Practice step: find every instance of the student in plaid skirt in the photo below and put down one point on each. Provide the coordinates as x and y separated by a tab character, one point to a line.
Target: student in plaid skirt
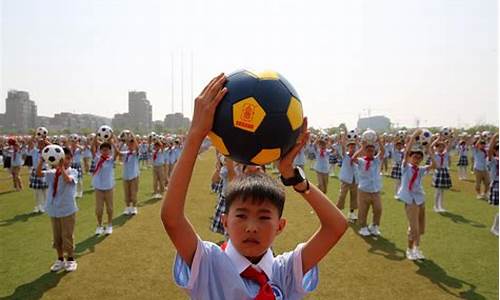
441	179
493	166
76	164
397	158
227	173
463	161
332	158
39	185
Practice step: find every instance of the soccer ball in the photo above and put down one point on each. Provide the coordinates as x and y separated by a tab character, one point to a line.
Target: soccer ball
424	137
83	139
486	135
352	135
74	138
258	120
125	136
401	135
54	139
63	139
104	133
41	133
369	136
153	137
53	154
446	132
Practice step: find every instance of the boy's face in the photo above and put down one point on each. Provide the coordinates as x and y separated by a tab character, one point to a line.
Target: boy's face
105	151
351	148
416	158
252	226
398	146
440	148
67	161
251	169
370	151
482	145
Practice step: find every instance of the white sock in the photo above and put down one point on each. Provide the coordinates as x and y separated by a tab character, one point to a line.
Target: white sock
397	186
441	199
495	224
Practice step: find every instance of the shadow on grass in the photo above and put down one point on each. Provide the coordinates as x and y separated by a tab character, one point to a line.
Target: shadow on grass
439	277
461	219
382	246
36	288
19	218
7	192
149	202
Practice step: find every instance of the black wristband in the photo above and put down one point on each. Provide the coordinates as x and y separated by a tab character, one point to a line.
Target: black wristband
306	191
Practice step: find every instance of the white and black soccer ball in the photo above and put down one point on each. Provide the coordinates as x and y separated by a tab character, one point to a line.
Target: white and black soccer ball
53	154
63	139
446	132
125	136
41	133
153	137
369	136
83	139
401	134
104	133
352	135
75	138
424	137
54	139
486	135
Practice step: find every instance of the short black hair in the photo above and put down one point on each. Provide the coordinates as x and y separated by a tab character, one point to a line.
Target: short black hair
259	188
105	145
417	152
67	151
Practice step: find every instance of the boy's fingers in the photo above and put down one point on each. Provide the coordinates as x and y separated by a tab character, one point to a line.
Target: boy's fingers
219	97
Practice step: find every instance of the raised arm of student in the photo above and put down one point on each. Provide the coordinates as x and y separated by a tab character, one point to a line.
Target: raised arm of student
342	143
381	148
175	222
332	222
358	153
409	144
491	148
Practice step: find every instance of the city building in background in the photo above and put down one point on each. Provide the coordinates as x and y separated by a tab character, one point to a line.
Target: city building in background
176	121
140	111
377	123
20	111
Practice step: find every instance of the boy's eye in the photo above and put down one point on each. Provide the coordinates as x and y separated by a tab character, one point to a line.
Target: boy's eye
265	218
241	216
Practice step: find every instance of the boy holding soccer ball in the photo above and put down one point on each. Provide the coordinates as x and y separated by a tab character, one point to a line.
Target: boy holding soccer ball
61	208
245	268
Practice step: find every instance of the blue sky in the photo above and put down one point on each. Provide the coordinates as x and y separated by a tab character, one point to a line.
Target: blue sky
432	60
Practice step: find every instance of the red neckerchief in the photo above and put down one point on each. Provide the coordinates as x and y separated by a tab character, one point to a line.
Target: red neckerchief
321	152
101	161
413	177
350	156
265	291
155	154
368	162
56	180
442	159
128	154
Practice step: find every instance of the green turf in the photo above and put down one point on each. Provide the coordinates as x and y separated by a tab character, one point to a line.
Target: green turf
135	261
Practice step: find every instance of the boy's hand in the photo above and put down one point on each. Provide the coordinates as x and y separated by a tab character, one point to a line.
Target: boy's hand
205	105
286	163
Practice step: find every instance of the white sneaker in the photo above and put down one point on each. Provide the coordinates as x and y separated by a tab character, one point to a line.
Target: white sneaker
479	197
58	265
435	209
79	195
127	211
374	230
99	230
418	254
494	232
364	231
109	230
440	209
410	254
41	209
36	210
352	217
133	210
70	266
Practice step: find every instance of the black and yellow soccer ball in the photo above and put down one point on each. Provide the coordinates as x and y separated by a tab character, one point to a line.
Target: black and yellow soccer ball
259	119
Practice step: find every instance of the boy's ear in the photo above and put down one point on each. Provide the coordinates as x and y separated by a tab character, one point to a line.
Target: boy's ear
224	220
281	225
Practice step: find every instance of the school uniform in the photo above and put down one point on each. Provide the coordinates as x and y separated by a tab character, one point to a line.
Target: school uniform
412	194
441	178
76	162
348	183
61	208
300	159
103	181
480	167
7	158
28	156
493	166
220	208
369	187
220	274
130	175
397	158
322	167
462	154
158	172
143	151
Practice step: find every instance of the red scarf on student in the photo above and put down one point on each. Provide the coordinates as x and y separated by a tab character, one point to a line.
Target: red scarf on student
100	163
128	154
368	162
413	177
56	181
350	156
441	156
15	152
155	154
322	152
265	291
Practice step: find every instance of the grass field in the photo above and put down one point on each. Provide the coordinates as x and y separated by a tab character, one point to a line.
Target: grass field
135	261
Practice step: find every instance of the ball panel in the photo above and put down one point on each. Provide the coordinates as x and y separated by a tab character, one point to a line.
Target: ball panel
268	75
272	96
294	113
239	86
218	143
289	87
266	156
248	114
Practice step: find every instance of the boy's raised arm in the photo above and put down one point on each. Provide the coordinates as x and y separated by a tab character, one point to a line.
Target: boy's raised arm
176	224
332	221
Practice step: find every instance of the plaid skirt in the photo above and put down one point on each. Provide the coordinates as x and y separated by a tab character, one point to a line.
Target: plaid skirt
216	221
37	183
311	155
494	193
463	161
143	156
78	167
28	161
441	179
396	171
339	161
428	161
332	159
